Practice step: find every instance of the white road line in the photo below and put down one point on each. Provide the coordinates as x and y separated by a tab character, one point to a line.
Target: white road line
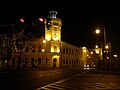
42	88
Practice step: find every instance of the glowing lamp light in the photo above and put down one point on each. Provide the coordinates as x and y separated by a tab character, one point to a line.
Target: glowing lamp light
44	41
43	50
96	46
106	46
97	31
22	20
107	57
91	52
41	19
115	55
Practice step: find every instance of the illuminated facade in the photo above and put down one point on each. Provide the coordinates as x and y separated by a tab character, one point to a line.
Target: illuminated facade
51	51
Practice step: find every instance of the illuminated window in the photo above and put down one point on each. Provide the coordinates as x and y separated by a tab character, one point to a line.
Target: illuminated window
55	49
55	28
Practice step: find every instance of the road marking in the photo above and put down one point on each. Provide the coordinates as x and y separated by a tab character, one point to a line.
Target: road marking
60	81
71	77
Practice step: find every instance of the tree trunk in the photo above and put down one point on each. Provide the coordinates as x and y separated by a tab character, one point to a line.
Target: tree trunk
19	59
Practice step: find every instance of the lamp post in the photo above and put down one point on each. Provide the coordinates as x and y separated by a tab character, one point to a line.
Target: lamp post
108	46
97	31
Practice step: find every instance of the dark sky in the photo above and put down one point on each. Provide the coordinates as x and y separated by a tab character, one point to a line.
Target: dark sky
79	20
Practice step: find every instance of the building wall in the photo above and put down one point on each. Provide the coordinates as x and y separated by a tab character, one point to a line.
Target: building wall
51	51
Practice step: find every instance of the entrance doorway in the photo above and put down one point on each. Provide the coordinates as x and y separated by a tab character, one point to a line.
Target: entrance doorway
54	62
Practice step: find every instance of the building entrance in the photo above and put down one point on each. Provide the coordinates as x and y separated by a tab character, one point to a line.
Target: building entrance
54	62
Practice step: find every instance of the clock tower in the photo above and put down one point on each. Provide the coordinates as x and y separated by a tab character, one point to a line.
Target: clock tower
53	27
53	37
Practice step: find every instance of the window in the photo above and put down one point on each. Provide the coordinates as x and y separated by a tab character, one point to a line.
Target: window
55	28
46	60
32	60
33	48
55	23
66	50
39	60
72	51
69	51
26	60
35	61
67	61
63	50
63	61
55	49
26	49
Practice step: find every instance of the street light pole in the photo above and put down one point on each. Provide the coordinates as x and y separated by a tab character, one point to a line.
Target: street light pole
104	36
110	56
104	39
104	32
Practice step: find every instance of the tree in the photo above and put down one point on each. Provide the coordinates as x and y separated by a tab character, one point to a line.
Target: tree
16	42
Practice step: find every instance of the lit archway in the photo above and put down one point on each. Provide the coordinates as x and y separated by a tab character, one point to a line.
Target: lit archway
54	62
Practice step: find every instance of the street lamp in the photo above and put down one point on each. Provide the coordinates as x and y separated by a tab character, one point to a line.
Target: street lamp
108	46
97	31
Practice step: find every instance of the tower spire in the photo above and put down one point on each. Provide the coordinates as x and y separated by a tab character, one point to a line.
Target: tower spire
53	14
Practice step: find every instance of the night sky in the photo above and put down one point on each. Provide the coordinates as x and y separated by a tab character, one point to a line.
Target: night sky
79	20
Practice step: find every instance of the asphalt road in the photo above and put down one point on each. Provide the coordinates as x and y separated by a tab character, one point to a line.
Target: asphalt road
88	80
31	80
66	79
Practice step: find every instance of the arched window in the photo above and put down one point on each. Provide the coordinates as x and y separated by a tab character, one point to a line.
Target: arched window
55	49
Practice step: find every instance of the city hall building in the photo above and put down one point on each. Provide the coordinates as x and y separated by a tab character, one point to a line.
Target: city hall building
50	51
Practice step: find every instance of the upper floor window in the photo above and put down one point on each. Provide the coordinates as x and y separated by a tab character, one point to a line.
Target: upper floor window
66	50
33	48
55	49
55	28
63	50
39	60
26	49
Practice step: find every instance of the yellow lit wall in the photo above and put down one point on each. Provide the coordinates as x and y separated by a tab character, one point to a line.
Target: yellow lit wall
54	32
55	44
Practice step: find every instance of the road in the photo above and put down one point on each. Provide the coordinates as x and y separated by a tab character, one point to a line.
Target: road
66	79
88	80
31	80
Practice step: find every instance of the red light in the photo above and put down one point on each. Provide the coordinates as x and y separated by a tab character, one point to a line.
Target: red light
41	19
22	20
